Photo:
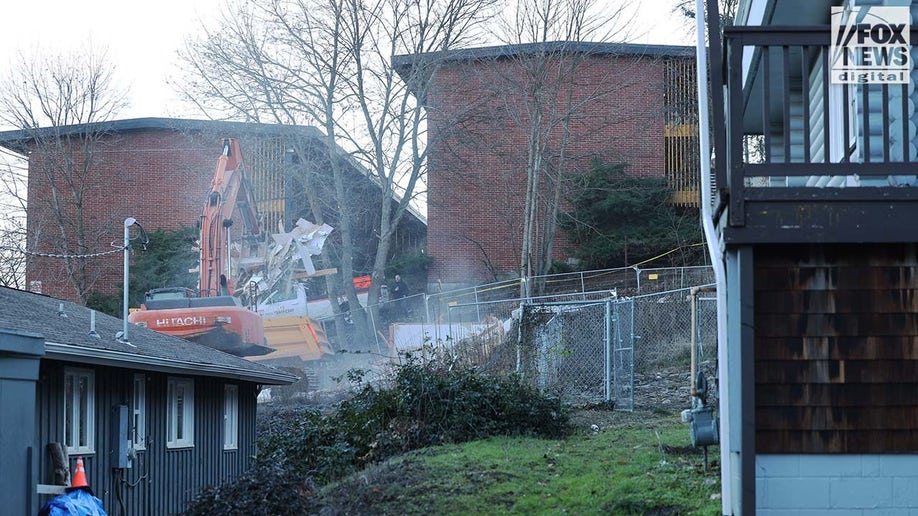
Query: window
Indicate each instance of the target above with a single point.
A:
(230, 417)
(79, 411)
(138, 413)
(180, 413)
(840, 116)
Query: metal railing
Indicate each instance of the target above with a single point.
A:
(448, 316)
(788, 125)
(622, 281)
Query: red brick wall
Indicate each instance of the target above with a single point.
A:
(479, 129)
(162, 178)
(159, 177)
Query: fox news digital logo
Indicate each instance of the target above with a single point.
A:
(870, 45)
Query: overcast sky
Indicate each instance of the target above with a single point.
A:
(142, 38)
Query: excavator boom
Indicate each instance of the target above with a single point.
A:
(230, 190)
(215, 318)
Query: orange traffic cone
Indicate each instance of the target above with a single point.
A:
(79, 475)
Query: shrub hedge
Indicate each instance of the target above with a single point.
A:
(422, 404)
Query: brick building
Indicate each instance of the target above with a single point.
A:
(631, 104)
(159, 170)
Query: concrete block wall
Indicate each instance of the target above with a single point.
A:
(814, 485)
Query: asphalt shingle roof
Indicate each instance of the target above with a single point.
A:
(67, 337)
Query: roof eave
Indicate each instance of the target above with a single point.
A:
(21, 137)
(404, 62)
(71, 353)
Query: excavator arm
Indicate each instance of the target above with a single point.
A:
(229, 190)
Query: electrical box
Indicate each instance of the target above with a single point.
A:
(703, 426)
(120, 440)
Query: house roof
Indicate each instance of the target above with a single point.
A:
(65, 327)
(406, 61)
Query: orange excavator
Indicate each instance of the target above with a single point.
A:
(214, 317)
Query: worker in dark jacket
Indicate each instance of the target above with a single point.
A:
(398, 288)
(398, 291)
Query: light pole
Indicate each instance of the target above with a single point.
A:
(128, 222)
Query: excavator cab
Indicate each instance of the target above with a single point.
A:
(169, 297)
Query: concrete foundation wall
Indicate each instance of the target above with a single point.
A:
(789, 485)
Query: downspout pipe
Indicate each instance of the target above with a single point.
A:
(715, 252)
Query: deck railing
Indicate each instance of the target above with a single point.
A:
(787, 125)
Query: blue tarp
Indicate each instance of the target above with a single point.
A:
(78, 502)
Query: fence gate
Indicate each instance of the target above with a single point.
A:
(565, 348)
(623, 354)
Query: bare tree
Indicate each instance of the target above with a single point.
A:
(280, 62)
(546, 78)
(393, 117)
(326, 62)
(13, 184)
(726, 9)
(41, 96)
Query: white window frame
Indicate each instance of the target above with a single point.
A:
(180, 426)
(230, 417)
(839, 147)
(139, 413)
(79, 411)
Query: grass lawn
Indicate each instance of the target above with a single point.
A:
(636, 463)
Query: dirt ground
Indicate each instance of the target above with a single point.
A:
(669, 389)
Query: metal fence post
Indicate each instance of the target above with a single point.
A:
(519, 339)
(477, 306)
(375, 332)
(449, 321)
(608, 351)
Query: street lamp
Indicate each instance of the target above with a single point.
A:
(128, 222)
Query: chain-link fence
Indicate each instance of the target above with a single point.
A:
(474, 304)
(631, 352)
(564, 348)
(622, 282)
(560, 347)
(663, 328)
(662, 332)
(636, 355)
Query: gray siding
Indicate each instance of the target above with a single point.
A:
(162, 480)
